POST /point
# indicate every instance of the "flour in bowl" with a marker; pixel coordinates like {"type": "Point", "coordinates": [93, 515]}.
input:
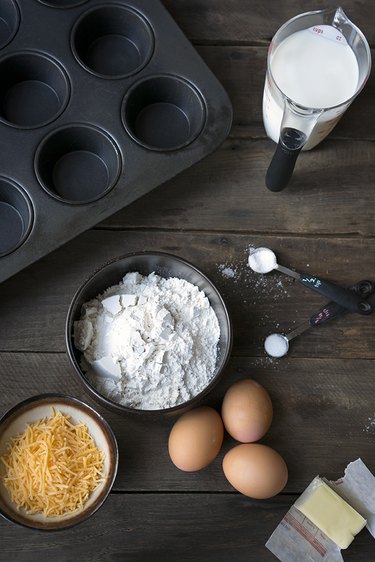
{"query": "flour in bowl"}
{"type": "Point", "coordinates": [149, 342]}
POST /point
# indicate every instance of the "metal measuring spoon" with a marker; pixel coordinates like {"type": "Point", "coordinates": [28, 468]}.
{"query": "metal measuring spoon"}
{"type": "Point", "coordinates": [277, 345]}
{"type": "Point", "coordinates": [263, 260]}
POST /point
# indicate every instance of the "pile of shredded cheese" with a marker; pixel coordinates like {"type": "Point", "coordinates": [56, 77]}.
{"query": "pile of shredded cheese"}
{"type": "Point", "coordinates": [53, 466]}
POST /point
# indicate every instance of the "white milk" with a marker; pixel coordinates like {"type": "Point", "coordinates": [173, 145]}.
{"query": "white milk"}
{"type": "Point", "coordinates": [315, 68]}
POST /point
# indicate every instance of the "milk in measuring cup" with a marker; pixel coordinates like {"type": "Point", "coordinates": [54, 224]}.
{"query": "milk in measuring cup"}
{"type": "Point", "coordinates": [315, 68]}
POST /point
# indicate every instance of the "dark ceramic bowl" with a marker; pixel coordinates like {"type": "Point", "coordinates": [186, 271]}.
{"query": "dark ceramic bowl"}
{"type": "Point", "coordinates": [33, 409]}
{"type": "Point", "coordinates": [164, 265]}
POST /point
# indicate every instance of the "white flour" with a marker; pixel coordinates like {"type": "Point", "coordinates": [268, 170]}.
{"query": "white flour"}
{"type": "Point", "coordinates": [149, 342]}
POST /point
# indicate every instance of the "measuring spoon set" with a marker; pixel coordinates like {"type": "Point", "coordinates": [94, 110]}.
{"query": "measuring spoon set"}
{"type": "Point", "coordinates": [352, 299]}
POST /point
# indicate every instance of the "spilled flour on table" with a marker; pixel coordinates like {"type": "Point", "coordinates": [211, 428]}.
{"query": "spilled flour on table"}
{"type": "Point", "coordinates": [267, 361]}
{"type": "Point", "coordinates": [227, 271]}
{"type": "Point", "coordinates": [370, 425]}
{"type": "Point", "coordinates": [256, 290]}
{"type": "Point", "coordinates": [268, 285]}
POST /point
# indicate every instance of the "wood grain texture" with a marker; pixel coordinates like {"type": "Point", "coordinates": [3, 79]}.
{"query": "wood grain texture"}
{"type": "Point", "coordinates": [242, 71]}
{"type": "Point", "coordinates": [212, 214]}
{"type": "Point", "coordinates": [159, 527]}
{"type": "Point", "coordinates": [226, 192]}
{"type": "Point", "coordinates": [34, 303]}
{"type": "Point", "coordinates": [253, 21]}
{"type": "Point", "coordinates": [166, 527]}
{"type": "Point", "coordinates": [320, 406]}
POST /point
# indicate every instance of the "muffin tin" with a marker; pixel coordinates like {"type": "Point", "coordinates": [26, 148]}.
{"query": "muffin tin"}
{"type": "Point", "coordinates": [100, 102]}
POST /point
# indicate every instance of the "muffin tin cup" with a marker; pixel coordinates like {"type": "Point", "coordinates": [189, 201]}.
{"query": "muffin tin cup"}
{"type": "Point", "coordinates": [9, 21]}
{"type": "Point", "coordinates": [100, 102]}
{"type": "Point", "coordinates": [16, 216]}
{"type": "Point", "coordinates": [34, 89]}
{"type": "Point", "coordinates": [163, 113]}
{"type": "Point", "coordinates": [62, 3]}
{"type": "Point", "coordinates": [112, 41]}
{"type": "Point", "coordinates": [77, 164]}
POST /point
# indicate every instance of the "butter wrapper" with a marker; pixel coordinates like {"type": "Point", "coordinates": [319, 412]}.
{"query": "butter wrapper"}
{"type": "Point", "coordinates": [357, 487]}
{"type": "Point", "coordinates": [298, 538]}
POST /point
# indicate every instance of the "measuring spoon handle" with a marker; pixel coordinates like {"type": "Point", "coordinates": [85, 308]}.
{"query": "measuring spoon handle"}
{"type": "Point", "coordinates": [332, 309]}
{"type": "Point", "coordinates": [344, 297]}
{"type": "Point", "coordinates": [325, 313]}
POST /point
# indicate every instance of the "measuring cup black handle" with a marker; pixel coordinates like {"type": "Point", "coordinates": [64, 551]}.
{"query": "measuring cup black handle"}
{"type": "Point", "coordinates": [344, 297]}
{"type": "Point", "coordinates": [282, 164]}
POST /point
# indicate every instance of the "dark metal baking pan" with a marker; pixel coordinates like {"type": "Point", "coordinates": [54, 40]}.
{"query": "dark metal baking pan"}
{"type": "Point", "coordinates": [100, 102]}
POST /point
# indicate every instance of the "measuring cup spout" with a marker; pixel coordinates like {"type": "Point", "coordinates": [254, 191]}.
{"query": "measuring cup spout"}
{"type": "Point", "coordinates": [340, 18]}
{"type": "Point", "coordinates": [296, 127]}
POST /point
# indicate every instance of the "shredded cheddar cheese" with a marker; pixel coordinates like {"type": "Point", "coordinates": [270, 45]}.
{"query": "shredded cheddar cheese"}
{"type": "Point", "coordinates": [53, 466]}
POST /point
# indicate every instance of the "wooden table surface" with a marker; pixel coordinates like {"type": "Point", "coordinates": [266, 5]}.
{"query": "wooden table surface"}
{"type": "Point", "coordinates": [323, 391]}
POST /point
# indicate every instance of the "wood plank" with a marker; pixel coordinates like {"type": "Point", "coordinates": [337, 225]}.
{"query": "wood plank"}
{"type": "Point", "coordinates": [158, 527]}
{"type": "Point", "coordinates": [323, 391]}
{"type": "Point", "coordinates": [242, 71]}
{"type": "Point", "coordinates": [35, 302]}
{"type": "Point", "coordinates": [320, 406]}
{"type": "Point", "coordinates": [331, 192]}
{"type": "Point", "coordinates": [223, 21]}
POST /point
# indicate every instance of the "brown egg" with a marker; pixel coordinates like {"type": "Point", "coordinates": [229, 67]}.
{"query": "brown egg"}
{"type": "Point", "coordinates": [255, 470]}
{"type": "Point", "coordinates": [247, 411]}
{"type": "Point", "coordinates": [196, 439]}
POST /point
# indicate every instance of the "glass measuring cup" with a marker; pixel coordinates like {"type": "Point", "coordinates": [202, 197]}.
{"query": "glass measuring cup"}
{"type": "Point", "coordinates": [317, 63]}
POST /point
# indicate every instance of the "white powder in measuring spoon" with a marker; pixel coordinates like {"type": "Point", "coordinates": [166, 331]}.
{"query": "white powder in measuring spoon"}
{"type": "Point", "coordinates": [276, 345]}
{"type": "Point", "coordinates": [149, 342]}
{"type": "Point", "coordinates": [262, 260]}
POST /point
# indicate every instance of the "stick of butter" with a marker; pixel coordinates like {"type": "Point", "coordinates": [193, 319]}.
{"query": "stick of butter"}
{"type": "Point", "coordinates": [330, 513]}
